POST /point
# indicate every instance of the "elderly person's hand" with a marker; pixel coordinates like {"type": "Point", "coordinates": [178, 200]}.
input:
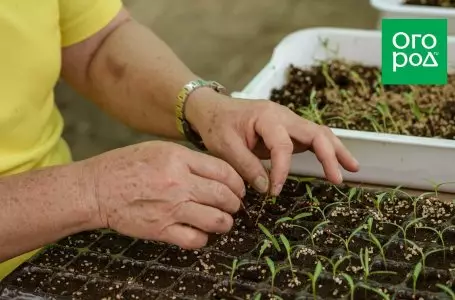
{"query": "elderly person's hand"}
{"type": "Point", "coordinates": [243, 131]}
{"type": "Point", "coordinates": [165, 192]}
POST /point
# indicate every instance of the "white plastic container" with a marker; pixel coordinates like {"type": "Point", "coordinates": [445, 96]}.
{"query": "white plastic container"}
{"type": "Point", "coordinates": [396, 9]}
{"type": "Point", "coordinates": [385, 159]}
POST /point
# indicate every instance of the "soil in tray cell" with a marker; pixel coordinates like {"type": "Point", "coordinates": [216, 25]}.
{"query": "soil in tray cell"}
{"type": "Point", "coordinates": [111, 243]}
{"type": "Point", "coordinates": [329, 193]}
{"type": "Point", "coordinates": [330, 287]}
{"type": "Point", "coordinates": [178, 257]}
{"type": "Point", "coordinates": [214, 263]}
{"type": "Point", "coordinates": [401, 251]}
{"type": "Point", "coordinates": [29, 278]}
{"type": "Point", "coordinates": [123, 270]}
{"type": "Point", "coordinates": [223, 291]}
{"type": "Point", "coordinates": [80, 240]}
{"type": "Point", "coordinates": [440, 259]}
{"type": "Point", "coordinates": [236, 244]}
{"type": "Point", "coordinates": [442, 3]}
{"type": "Point", "coordinates": [400, 271]}
{"type": "Point", "coordinates": [435, 211]}
{"type": "Point", "coordinates": [159, 277]}
{"type": "Point", "coordinates": [307, 257]}
{"type": "Point", "coordinates": [253, 272]}
{"type": "Point", "coordinates": [428, 279]}
{"type": "Point", "coordinates": [415, 233]}
{"type": "Point", "coordinates": [449, 237]}
{"type": "Point", "coordinates": [65, 284]}
{"type": "Point", "coordinates": [99, 289]}
{"type": "Point", "coordinates": [194, 285]}
{"type": "Point", "coordinates": [386, 225]}
{"type": "Point", "coordinates": [88, 263]}
{"type": "Point", "coordinates": [293, 230]}
{"type": "Point", "coordinates": [138, 293]}
{"type": "Point", "coordinates": [346, 217]}
{"type": "Point", "coordinates": [145, 250]}
{"type": "Point", "coordinates": [286, 280]}
{"type": "Point", "coordinates": [55, 257]}
{"type": "Point", "coordinates": [294, 188]}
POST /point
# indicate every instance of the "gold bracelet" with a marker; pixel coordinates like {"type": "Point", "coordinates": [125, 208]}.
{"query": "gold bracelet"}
{"type": "Point", "coordinates": [182, 124]}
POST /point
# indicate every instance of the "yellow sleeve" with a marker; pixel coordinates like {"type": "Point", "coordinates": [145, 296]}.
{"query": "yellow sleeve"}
{"type": "Point", "coordinates": [80, 19]}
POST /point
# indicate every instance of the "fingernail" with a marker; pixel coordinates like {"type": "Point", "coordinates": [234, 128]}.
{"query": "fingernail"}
{"type": "Point", "coordinates": [261, 184]}
{"type": "Point", "coordinates": [243, 193]}
{"type": "Point", "coordinates": [277, 189]}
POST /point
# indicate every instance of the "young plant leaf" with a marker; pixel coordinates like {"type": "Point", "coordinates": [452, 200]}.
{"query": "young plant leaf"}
{"type": "Point", "coordinates": [351, 284]}
{"type": "Point", "coordinates": [415, 275]}
{"type": "Point", "coordinates": [447, 290]}
{"type": "Point", "coordinates": [270, 236]}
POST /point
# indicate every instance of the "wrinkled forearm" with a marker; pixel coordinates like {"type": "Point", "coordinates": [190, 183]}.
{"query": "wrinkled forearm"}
{"type": "Point", "coordinates": [135, 76]}
{"type": "Point", "coordinates": [40, 207]}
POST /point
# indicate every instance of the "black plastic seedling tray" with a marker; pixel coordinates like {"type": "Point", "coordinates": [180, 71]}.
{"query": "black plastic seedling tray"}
{"type": "Point", "coordinates": [323, 230]}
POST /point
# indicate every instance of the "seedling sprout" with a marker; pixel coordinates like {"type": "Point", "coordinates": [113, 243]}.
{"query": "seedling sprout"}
{"type": "Point", "coordinates": [314, 278]}
{"type": "Point", "coordinates": [351, 284]}
{"type": "Point", "coordinates": [375, 240]}
{"type": "Point", "coordinates": [287, 246]}
{"type": "Point", "coordinates": [446, 290]}
{"type": "Point", "coordinates": [415, 276]}
{"type": "Point", "coordinates": [273, 270]}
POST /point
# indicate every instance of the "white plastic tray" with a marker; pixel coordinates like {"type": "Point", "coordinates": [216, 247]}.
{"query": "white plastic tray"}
{"type": "Point", "coordinates": [385, 159]}
{"type": "Point", "coordinates": [396, 9]}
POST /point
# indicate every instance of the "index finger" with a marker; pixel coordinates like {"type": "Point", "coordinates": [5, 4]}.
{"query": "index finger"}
{"type": "Point", "coordinates": [213, 168]}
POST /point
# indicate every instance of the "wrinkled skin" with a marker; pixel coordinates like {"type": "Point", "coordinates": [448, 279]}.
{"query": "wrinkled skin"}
{"type": "Point", "coordinates": [165, 192]}
{"type": "Point", "coordinates": [242, 132]}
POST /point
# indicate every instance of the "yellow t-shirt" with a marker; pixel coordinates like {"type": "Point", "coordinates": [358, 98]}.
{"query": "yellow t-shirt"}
{"type": "Point", "coordinates": [33, 33]}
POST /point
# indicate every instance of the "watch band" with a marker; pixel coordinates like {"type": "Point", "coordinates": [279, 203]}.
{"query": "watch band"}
{"type": "Point", "coordinates": [183, 126]}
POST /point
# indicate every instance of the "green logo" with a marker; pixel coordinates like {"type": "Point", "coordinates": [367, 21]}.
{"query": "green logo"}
{"type": "Point", "coordinates": [414, 51]}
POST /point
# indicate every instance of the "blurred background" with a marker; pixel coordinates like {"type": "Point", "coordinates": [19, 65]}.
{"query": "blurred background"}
{"type": "Point", "coordinates": [224, 40]}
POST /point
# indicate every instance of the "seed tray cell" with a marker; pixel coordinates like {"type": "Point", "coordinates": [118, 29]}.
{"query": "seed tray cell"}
{"type": "Point", "coordinates": [315, 233]}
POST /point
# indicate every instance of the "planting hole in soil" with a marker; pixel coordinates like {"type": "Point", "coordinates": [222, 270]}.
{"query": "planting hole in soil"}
{"type": "Point", "coordinates": [275, 257]}
{"type": "Point", "coordinates": [194, 285]}
{"type": "Point", "coordinates": [65, 284]}
{"type": "Point", "coordinates": [55, 257]}
{"type": "Point", "coordinates": [111, 243]}
{"type": "Point", "coordinates": [88, 263]}
{"type": "Point", "coordinates": [138, 293]}
{"type": "Point", "coordinates": [159, 277]}
{"type": "Point", "coordinates": [145, 250]}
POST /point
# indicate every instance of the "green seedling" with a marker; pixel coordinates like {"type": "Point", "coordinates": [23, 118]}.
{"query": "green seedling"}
{"type": "Point", "coordinates": [424, 258]}
{"type": "Point", "coordinates": [409, 97]}
{"type": "Point", "coordinates": [273, 271]}
{"type": "Point", "coordinates": [328, 78]}
{"type": "Point", "coordinates": [234, 267]}
{"type": "Point", "coordinates": [346, 121]}
{"type": "Point", "coordinates": [384, 110]}
{"type": "Point", "coordinates": [258, 296]}
{"type": "Point", "coordinates": [358, 79]}
{"type": "Point", "coordinates": [375, 290]}
{"type": "Point", "coordinates": [335, 265]}
{"type": "Point", "coordinates": [347, 241]}
{"type": "Point", "coordinates": [270, 237]}
{"type": "Point", "coordinates": [301, 179]}
{"type": "Point", "coordinates": [351, 284]}
{"type": "Point", "coordinates": [378, 201]}
{"type": "Point", "coordinates": [446, 290]}
{"type": "Point", "coordinates": [365, 262]}
{"type": "Point", "coordinates": [436, 186]}
{"type": "Point", "coordinates": [293, 219]}
{"type": "Point", "coordinates": [314, 278]}
{"type": "Point", "coordinates": [288, 248]}
{"type": "Point", "coordinates": [312, 112]}
{"type": "Point", "coordinates": [415, 276]}
{"type": "Point", "coordinates": [310, 194]}
{"type": "Point", "coordinates": [379, 87]}
{"type": "Point", "coordinates": [406, 228]}
{"type": "Point", "coordinates": [374, 123]}
{"type": "Point", "coordinates": [375, 240]}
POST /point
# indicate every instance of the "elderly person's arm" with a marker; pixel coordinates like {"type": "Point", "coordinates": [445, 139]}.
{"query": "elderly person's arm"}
{"type": "Point", "coordinates": [129, 72]}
